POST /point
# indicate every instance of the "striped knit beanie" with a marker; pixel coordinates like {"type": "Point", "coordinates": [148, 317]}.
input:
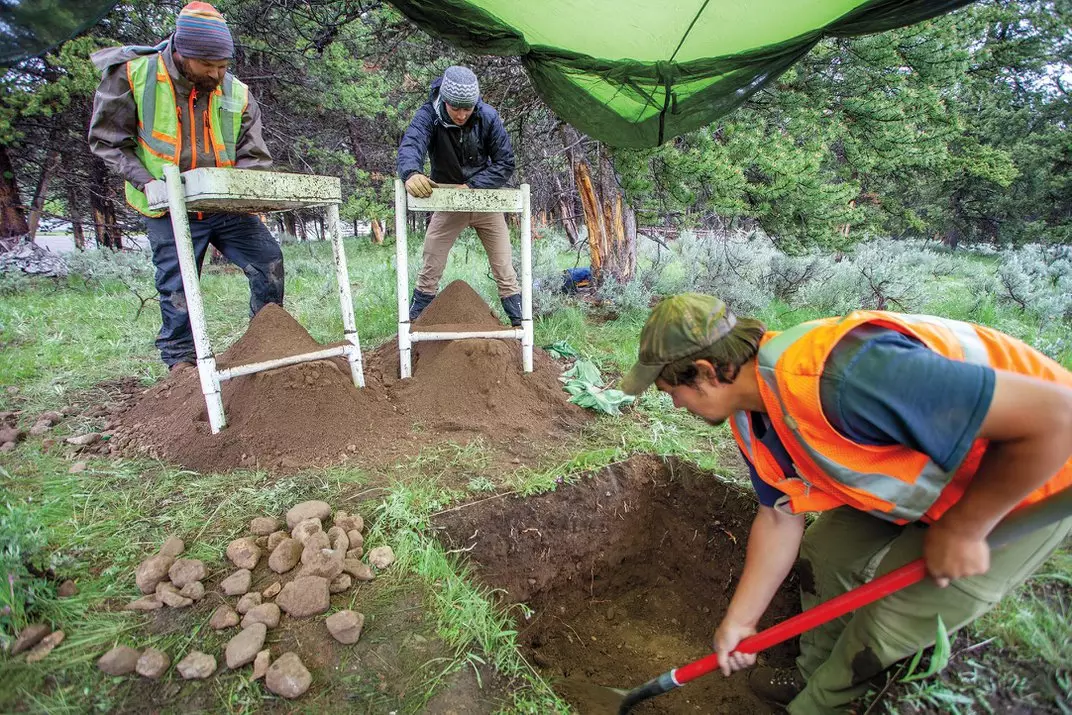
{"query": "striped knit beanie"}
{"type": "Point", "coordinates": [459, 87]}
{"type": "Point", "coordinates": [201, 33]}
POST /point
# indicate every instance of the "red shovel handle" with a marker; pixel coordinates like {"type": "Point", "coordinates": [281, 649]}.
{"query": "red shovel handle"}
{"type": "Point", "coordinates": [827, 611]}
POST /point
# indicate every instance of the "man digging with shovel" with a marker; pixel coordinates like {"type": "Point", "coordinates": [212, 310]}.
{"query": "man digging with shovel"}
{"type": "Point", "coordinates": [911, 434]}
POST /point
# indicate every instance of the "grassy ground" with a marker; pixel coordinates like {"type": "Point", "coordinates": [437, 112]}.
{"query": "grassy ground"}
{"type": "Point", "coordinates": [62, 343]}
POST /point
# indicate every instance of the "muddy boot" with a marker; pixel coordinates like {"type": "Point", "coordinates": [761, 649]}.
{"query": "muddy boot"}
{"type": "Point", "coordinates": [777, 686]}
{"type": "Point", "coordinates": [419, 303]}
{"type": "Point", "coordinates": [512, 307]}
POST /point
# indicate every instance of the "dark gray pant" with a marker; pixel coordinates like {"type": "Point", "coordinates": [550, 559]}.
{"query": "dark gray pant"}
{"type": "Point", "coordinates": [244, 240]}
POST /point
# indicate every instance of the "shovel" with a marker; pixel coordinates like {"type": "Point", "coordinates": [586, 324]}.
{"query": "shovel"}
{"type": "Point", "coordinates": [1019, 523]}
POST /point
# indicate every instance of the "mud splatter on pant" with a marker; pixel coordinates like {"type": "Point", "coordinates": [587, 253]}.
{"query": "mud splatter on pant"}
{"type": "Point", "coordinates": [845, 548]}
{"type": "Point", "coordinates": [244, 240]}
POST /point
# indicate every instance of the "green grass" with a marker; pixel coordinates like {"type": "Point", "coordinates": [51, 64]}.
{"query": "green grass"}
{"type": "Point", "coordinates": [60, 340]}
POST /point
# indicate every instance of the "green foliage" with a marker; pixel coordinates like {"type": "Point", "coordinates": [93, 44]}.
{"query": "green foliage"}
{"type": "Point", "coordinates": [939, 657]}
{"type": "Point", "coordinates": [24, 558]}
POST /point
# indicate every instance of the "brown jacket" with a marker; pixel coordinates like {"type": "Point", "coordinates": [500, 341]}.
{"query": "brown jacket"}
{"type": "Point", "coordinates": [113, 130]}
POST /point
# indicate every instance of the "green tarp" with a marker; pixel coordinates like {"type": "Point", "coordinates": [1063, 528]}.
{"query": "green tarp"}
{"type": "Point", "coordinates": [635, 74]}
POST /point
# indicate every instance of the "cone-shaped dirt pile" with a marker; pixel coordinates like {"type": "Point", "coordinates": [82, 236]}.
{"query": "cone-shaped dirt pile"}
{"type": "Point", "coordinates": [312, 415]}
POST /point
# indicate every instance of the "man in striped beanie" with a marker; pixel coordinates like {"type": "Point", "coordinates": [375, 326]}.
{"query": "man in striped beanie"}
{"type": "Point", "coordinates": [209, 118]}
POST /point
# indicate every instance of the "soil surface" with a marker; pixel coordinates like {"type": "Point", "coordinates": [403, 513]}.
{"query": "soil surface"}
{"type": "Point", "coordinates": [312, 415]}
{"type": "Point", "coordinates": [628, 573]}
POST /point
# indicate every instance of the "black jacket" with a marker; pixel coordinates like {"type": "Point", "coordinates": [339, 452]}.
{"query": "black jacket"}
{"type": "Point", "coordinates": [478, 154]}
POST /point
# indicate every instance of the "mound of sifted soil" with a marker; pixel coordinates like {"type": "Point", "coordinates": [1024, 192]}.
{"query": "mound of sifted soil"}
{"type": "Point", "coordinates": [312, 415]}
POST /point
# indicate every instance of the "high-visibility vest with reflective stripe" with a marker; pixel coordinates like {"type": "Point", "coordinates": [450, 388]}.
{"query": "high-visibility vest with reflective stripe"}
{"type": "Point", "coordinates": [892, 482]}
{"type": "Point", "coordinates": [159, 130]}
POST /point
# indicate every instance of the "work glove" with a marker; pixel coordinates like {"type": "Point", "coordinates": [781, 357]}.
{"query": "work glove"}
{"type": "Point", "coordinates": [420, 186]}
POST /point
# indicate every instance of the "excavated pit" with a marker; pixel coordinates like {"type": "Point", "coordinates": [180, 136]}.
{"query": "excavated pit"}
{"type": "Point", "coordinates": [627, 573]}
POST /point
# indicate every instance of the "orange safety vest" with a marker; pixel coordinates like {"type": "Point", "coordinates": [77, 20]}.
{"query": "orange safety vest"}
{"type": "Point", "coordinates": [892, 482]}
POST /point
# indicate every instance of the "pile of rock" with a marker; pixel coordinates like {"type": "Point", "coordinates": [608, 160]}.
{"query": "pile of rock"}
{"type": "Point", "coordinates": [318, 562]}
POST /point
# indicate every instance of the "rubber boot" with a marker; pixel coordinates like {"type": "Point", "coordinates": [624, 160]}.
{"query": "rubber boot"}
{"type": "Point", "coordinates": [512, 307]}
{"type": "Point", "coordinates": [419, 303]}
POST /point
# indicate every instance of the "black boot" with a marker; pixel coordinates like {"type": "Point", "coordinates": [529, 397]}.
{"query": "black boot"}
{"type": "Point", "coordinates": [419, 303]}
{"type": "Point", "coordinates": [512, 307]}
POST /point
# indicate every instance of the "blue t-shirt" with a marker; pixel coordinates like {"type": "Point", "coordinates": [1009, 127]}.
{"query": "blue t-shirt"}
{"type": "Point", "coordinates": [882, 387]}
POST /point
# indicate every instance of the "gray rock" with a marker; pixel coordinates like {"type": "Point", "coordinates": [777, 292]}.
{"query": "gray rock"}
{"type": "Point", "coordinates": [313, 545]}
{"type": "Point", "coordinates": [244, 553]}
{"type": "Point", "coordinates": [83, 440]}
{"type": "Point", "coordinates": [145, 603]}
{"type": "Point", "coordinates": [10, 434]}
{"type": "Point", "coordinates": [359, 570]}
{"type": "Point", "coordinates": [266, 613]}
{"type": "Point", "coordinates": [338, 539]}
{"type": "Point", "coordinates": [119, 660]}
{"type": "Point", "coordinates": [381, 557]}
{"type": "Point", "coordinates": [355, 538]}
{"type": "Point", "coordinates": [349, 522]}
{"type": "Point", "coordinates": [327, 564]}
{"type": "Point", "coordinates": [304, 596]}
{"type": "Point", "coordinates": [287, 677]}
{"type": "Point", "coordinates": [305, 529]}
{"type": "Point", "coordinates": [173, 546]}
{"type": "Point", "coordinates": [78, 467]}
{"type": "Point", "coordinates": [285, 556]}
{"type": "Point", "coordinates": [273, 590]}
{"type": "Point", "coordinates": [194, 591]}
{"type": "Point", "coordinates": [39, 428]}
{"type": "Point", "coordinates": [30, 636]}
{"type": "Point", "coordinates": [185, 571]}
{"type": "Point", "coordinates": [152, 664]}
{"type": "Point", "coordinates": [340, 583]}
{"type": "Point", "coordinates": [196, 665]}
{"type": "Point", "coordinates": [263, 525]}
{"type": "Point", "coordinates": [275, 538]}
{"type": "Point", "coordinates": [345, 626]}
{"type": "Point", "coordinates": [7, 446]}
{"type": "Point", "coordinates": [261, 663]}
{"type": "Point", "coordinates": [45, 646]}
{"type": "Point", "coordinates": [152, 571]}
{"type": "Point", "coordinates": [250, 600]}
{"type": "Point", "coordinates": [355, 554]}
{"type": "Point", "coordinates": [243, 647]}
{"type": "Point", "coordinates": [223, 617]}
{"type": "Point", "coordinates": [306, 510]}
{"type": "Point", "coordinates": [67, 589]}
{"type": "Point", "coordinates": [237, 583]}
{"type": "Point", "coordinates": [167, 594]}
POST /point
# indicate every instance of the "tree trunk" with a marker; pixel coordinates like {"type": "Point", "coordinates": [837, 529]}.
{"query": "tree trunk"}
{"type": "Point", "coordinates": [74, 215]}
{"type": "Point", "coordinates": [610, 220]}
{"type": "Point", "coordinates": [103, 208]}
{"type": "Point", "coordinates": [12, 218]}
{"type": "Point", "coordinates": [377, 232]}
{"type": "Point", "coordinates": [48, 168]}
{"type": "Point", "coordinates": [290, 223]}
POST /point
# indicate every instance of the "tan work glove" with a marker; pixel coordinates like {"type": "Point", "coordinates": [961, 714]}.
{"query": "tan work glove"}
{"type": "Point", "coordinates": [420, 186]}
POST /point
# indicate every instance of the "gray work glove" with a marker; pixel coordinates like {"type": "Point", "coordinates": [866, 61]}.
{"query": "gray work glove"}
{"type": "Point", "coordinates": [420, 186]}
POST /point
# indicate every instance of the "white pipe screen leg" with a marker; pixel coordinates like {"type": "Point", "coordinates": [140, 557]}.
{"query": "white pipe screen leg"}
{"type": "Point", "coordinates": [349, 325]}
{"type": "Point", "coordinates": [191, 285]}
{"type": "Point", "coordinates": [526, 279]}
{"type": "Point", "coordinates": [402, 278]}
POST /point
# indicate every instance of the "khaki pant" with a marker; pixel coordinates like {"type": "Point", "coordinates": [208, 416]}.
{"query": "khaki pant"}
{"type": "Point", "coordinates": [443, 230]}
{"type": "Point", "coordinates": [845, 548]}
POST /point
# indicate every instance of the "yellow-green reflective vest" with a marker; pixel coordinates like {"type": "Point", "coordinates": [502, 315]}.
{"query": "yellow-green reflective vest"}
{"type": "Point", "coordinates": [159, 135]}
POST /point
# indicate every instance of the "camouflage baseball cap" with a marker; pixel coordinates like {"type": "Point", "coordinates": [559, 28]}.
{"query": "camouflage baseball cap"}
{"type": "Point", "coordinates": [679, 326]}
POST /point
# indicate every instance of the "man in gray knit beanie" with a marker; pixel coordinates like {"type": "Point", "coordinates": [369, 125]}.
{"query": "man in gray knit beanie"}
{"type": "Point", "coordinates": [467, 145]}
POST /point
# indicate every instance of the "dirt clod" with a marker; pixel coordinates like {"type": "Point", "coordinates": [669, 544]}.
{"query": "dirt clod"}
{"type": "Point", "coordinates": [30, 636]}
{"type": "Point", "coordinates": [45, 646]}
{"type": "Point", "coordinates": [172, 546]}
{"type": "Point", "coordinates": [272, 591]}
{"type": "Point", "coordinates": [67, 589]}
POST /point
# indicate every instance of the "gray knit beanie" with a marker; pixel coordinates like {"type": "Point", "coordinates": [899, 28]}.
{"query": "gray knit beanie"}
{"type": "Point", "coordinates": [460, 87]}
{"type": "Point", "coordinates": [201, 33]}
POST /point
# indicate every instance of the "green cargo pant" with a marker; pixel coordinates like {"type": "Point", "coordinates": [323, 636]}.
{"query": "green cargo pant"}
{"type": "Point", "coordinates": [845, 548]}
